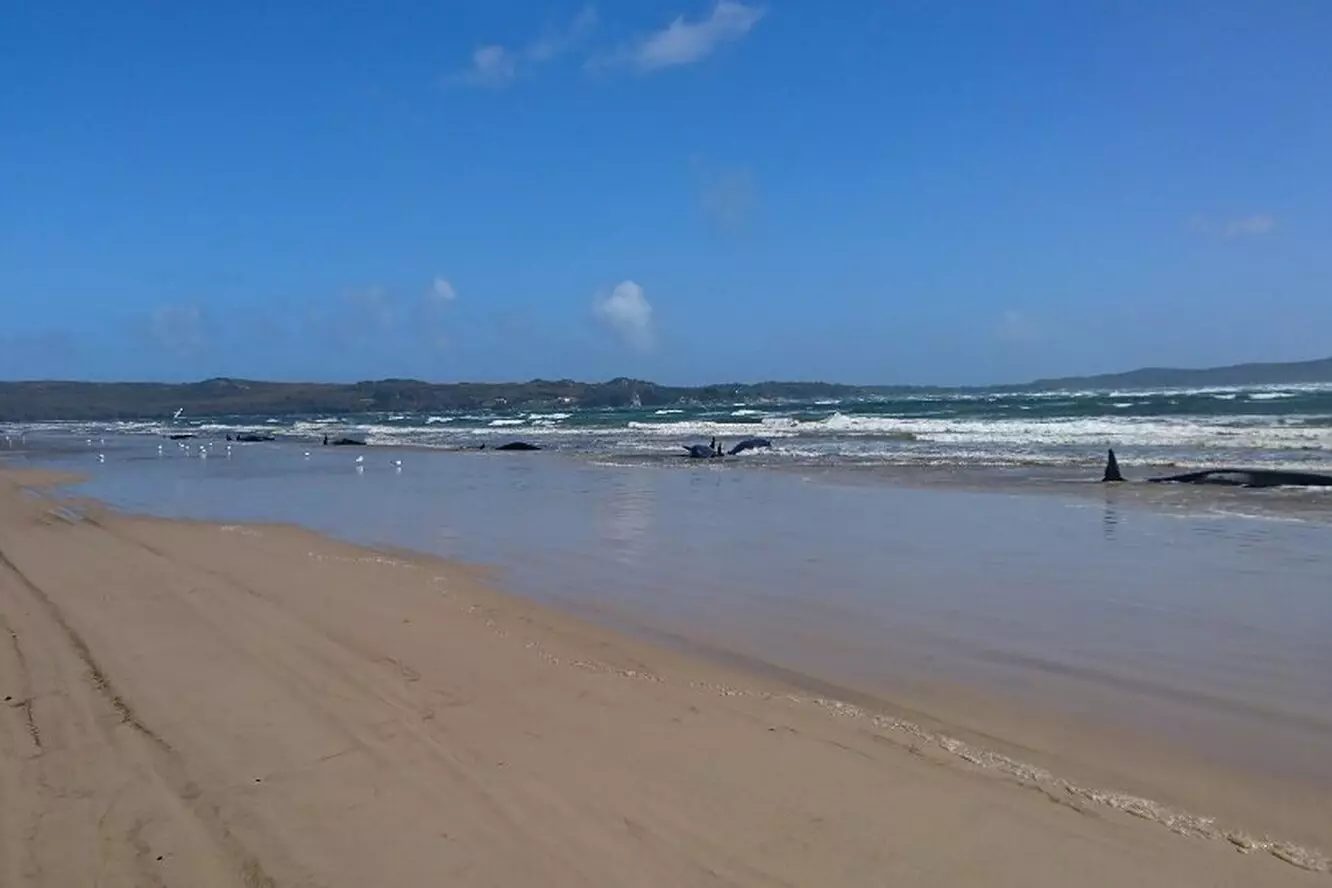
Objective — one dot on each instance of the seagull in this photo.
(101, 457)
(360, 459)
(307, 454)
(397, 465)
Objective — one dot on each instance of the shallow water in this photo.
(1212, 628)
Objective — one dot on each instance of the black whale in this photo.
(1229, 477)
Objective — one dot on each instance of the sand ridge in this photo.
(204, 704)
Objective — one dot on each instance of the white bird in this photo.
(360, 459)
(101, 457)
(159, 449)
(307, 454)
(397, 465)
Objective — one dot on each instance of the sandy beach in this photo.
(188, 703)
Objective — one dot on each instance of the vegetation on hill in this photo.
(48, 400)
(29, 401)
(1233, 375)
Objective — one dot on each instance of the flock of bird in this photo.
(203, 450)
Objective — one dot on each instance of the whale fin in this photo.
(1112, 469)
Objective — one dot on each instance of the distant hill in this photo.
(1167, 377)
(48, 400)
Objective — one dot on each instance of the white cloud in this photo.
(492, 66)
(495, 65)
(683, 42)
(626, 311)
(1258, 223)
(559, 41)
(442, 291)
(1254, 225)
(1017, 328)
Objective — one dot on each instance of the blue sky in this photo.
(681, 190)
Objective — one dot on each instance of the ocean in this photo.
(1277, 426)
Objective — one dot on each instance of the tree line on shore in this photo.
(28, 401)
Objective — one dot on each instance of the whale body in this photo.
(1228, 477)
(749, 444)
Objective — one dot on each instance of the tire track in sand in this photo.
(167, 762)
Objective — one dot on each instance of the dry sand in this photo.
(195, 705)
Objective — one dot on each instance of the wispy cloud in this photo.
(492, 66)
(626, 311)
(1258, 223)
(1254, 225)
(684, 42)
(442, 291)
(495, 65)
(729, 197)
(177, 329)
(557, 41)
(432, 313)
(370, 309)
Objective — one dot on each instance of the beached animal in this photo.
(343, 442)
(252, 437)
(712, 449)
(518, 445)
(749, 444)
(1229, 477)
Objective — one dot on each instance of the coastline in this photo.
(262, 703)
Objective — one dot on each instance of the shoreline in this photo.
(1078, 482)
(1246, 753)
(742, 708)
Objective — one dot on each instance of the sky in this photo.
(688, 191)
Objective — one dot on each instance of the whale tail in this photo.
(1112, 470)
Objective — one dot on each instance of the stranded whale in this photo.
(712, 450)
(1228, 477)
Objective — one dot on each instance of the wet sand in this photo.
(1165, 647)
(204, 704)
